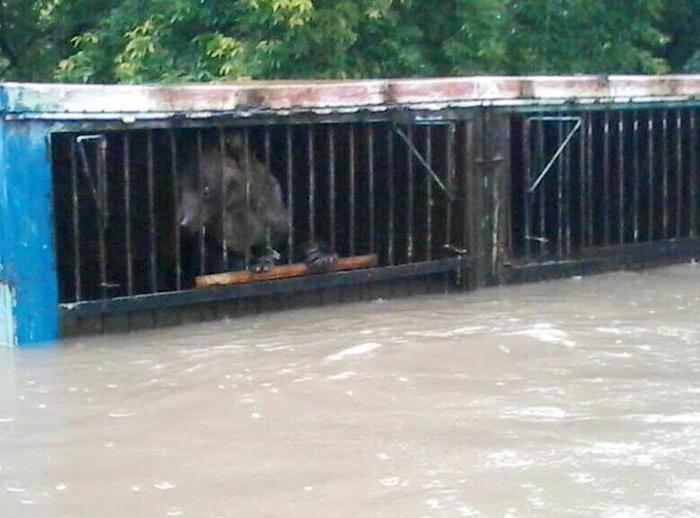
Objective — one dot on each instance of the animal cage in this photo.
(454, 184)
(603, 177)
(363, 187)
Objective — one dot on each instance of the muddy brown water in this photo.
(578, 397)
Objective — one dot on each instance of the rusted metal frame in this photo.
(527, 205)
(152, 239)
(411, 197)
(647, 250)
(490, 167)
(175, 184)
(621, 175)
(650, 176)
(560, 195)
(126, 171)
(637, 177)
(201, 186)
(237, 118)
(598, 106)
(331, 186)
(614, 257)
(679, 174)
(370, 187)
(77, 279)
(664, 173)
(497, 162)
(693, 176)
(233, 119)
(294, 285)
(391, 256)
(289, 152)
(352, 181)
(221, 133)
(606, 178)
(429, 194)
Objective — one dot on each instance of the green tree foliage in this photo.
(136, 41)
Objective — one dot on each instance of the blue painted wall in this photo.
(27, 258)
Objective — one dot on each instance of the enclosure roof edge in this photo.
(213, 98)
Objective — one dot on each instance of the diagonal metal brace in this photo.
(425, 164)
(97, 182)
(561, 148)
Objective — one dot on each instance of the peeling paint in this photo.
(8, 330)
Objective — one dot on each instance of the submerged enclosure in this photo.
(454, 183)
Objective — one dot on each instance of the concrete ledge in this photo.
(67, 99)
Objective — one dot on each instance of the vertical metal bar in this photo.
(621, 174)
(606, 178)
(370, 184)
(693, 177)
(153, 270)
(290, 195)
(664, 172)
(200, 193)
(679, 173)
(542, 238)
(411, 194)
(390, 180)
(650, 160)
(102, 217)
(331, 184)
(176, 197)
(78, 289)
(268, 170)
(248, 178)
(589, 176)
(222, 179)
(450, 150)
(312, 181)
(429, 193)
(582, 182)
(560, 193)
(352, 200)
(527, 196)
(636, 144)
(568, 203)
(127, 215)
(469, 191)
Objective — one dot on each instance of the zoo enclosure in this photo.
(461, 182)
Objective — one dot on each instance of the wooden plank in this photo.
(283, 272)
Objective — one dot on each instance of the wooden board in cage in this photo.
(283, 272)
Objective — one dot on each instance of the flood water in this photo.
(575, 397)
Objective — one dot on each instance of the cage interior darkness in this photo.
(611, 176)
(357, 187)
